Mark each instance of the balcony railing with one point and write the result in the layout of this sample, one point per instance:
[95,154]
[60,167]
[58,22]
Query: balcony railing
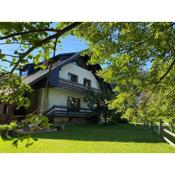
[59,111]
[66,84]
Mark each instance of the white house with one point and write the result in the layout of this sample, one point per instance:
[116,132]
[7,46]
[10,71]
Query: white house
[69,80]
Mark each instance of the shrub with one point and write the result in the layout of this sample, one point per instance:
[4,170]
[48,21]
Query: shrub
[123,120]
[8,130]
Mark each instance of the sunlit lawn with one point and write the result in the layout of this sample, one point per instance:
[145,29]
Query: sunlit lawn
[121,138]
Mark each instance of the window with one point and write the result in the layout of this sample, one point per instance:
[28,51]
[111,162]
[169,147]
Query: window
[72,77]
[87,82]
[73,104]
[24,73]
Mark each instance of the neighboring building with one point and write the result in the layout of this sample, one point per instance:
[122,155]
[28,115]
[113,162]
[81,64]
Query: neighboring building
[68,81]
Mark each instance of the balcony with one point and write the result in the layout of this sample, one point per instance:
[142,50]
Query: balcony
[66,84]
[63,111]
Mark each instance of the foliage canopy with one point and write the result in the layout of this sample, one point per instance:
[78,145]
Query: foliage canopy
[138,59]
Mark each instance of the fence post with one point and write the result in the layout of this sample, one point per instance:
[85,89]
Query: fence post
[160,127]
[171,126]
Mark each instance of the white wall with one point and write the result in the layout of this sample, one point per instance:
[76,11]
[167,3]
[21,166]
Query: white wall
[58,96]
[81,72]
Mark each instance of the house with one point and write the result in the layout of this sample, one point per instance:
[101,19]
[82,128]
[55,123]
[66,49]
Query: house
[69,79]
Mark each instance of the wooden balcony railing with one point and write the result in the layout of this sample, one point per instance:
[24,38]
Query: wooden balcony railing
[66,84]
[58,111]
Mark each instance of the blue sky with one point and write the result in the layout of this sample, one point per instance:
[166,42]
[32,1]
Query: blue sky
[72,44]
[69,44]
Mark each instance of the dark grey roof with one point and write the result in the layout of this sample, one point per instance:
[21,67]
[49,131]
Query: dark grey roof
[33,78]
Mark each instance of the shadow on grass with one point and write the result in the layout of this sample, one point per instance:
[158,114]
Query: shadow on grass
[117,133]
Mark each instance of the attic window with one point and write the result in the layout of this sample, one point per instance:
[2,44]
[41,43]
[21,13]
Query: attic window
[72,77]
[87,83]
[24,73]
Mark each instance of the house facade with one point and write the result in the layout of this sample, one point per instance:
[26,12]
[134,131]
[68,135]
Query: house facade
[69,79]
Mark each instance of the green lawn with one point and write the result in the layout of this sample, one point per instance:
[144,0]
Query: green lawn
[121,138]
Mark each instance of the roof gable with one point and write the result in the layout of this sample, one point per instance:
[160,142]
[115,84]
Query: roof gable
[37,76]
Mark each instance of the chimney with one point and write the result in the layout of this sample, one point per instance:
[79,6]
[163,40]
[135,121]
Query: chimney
[46,63]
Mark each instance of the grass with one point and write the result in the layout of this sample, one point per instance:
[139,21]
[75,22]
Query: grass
[121,138]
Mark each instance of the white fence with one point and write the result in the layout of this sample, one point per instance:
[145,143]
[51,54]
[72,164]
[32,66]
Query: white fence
[162,129]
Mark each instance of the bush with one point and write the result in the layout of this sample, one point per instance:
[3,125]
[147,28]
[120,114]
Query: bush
[8,130]
[4,131]
[111,122]
[117,117]
[123,120]
[92,119]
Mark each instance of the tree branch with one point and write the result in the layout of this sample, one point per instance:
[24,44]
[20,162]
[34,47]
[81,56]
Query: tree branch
[168,70]
[28,32]
[157,82]
[6,60]
[40,43]
[47,79]
[15,43]
[8,55]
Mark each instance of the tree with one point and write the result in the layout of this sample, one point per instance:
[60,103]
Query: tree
[125,50]
[31,42]
[98,102]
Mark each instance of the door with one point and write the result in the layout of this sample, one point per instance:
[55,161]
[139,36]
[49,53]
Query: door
[73,104]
